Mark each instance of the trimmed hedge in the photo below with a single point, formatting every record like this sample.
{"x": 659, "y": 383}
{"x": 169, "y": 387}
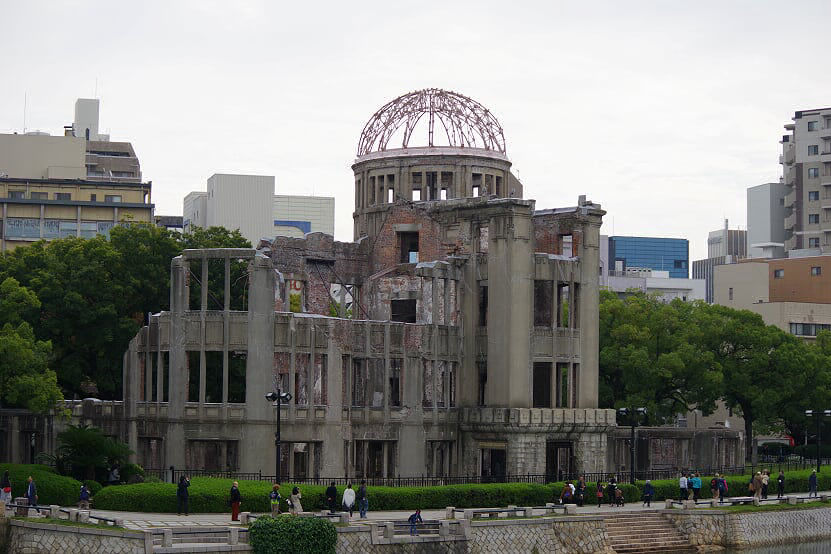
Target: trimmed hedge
{"x": 51, "y": 487}
{"x": 208, "y": 495}
{"x": 289, "y": 534}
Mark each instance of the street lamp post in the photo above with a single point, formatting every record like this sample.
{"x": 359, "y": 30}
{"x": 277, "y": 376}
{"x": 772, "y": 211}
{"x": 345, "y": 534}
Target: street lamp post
{"x": 633, "y": 413}
{"x": 278, "y": 398}
{"x": 817, "y": 415}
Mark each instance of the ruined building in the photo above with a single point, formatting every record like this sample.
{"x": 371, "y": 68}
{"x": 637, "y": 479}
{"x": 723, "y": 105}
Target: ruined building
{"x": 455, "y": 336}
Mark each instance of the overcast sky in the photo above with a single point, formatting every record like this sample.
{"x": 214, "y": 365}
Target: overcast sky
{"x": 663, "y": 112}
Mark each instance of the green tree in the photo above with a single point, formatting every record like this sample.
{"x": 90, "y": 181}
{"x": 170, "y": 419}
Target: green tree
{"x": 86, "y": 449}
{"x": 25, "y": 378}
{"x": 650, "y": 356}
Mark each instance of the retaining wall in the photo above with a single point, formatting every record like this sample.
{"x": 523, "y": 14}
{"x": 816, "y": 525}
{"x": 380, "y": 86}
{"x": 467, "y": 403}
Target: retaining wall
{"x": 769, "y": 528}
{"x": 27, "y": 537}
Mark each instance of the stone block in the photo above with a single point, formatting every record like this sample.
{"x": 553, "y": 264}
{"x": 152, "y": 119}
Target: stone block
{"x": 244, "y": 517}
{"x": 571, "y": 509}
{"x": 343, "y": 517}
{"x": 450, "y": 512}
{"x": 714, "y": 503}
{"x": 54, "y": 511}
{"x": 167, "y": 538}
{"x": 233, "y": 535}
{"x": 389, "y": 530}
{"x": 2, "y": 510}
{"x": 688, "y": 504}
{"x": 73, "y": 514}
{"x": 468, "y": 514}
{"x": 670, "y": 504}
{"x": 791, "y": 500}
{"x": 444, "y": 528}
{"x": 119, "y": 522}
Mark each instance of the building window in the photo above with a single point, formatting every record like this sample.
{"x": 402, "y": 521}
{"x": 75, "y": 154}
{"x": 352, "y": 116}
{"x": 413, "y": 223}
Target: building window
{"x": 812, "y": 125}
{"x": 482, "y": 370}
{"x": 18, "y": 194}
{"x": 403, "y": 310}
{"x": 416, "y": 195}
{"x": 813, "y": 149}
{"x": 778, "y": 273}
{"x": 408, "y": 243}
{"x": 813, "y": 218}
{"x": 63, "y": 196}
{"x": 116, "y": 198}
{"x": 813, "y": 172}
{"x": 92, "y": 198}
{"x": 40, "y": 196}
{"x": 813, "y": 242}
{"x": 730, "y": 293}
{"x": 813, "y": 195}
{"x": 816, "y": 270}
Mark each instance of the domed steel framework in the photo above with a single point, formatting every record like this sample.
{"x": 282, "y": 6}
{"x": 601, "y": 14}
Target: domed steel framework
{"x": 466, "y": 122}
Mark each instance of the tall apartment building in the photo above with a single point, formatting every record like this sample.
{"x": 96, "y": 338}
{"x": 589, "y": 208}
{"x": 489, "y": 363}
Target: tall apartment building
{"x": 78, "y": 184}
{"x": 806, "y": 172}
{"x": 248, "y": 203}
{"x": 724, "y": 246}
{"x": 766, "y": 220}
{"x": 656, "y": 253}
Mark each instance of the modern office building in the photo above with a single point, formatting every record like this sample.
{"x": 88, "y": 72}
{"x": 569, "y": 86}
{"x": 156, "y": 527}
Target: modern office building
{"x": 656, "y": 253}
{"x": 646, "y": 280}
{"x": 806, "y": 172}
{"x": 766, "y": 220}
{"x": 792, "y": 293}
{"x": 248, "y": 203}
{"x": 62, "y": 186}
{"x": 724, "y": 246}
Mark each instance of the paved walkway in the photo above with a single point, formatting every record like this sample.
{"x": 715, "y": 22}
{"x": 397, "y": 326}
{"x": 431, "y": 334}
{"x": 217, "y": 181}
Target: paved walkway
{"x": 141, "y": 520}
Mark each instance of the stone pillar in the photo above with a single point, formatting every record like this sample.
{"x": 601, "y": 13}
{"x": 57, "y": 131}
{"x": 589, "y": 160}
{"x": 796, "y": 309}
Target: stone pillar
{"x": 589, "y": 297}
{"x": 510, "y": 305}
{"x": 175, "y": 444}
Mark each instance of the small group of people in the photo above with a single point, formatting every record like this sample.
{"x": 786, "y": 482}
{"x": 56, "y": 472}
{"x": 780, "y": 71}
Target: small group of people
{"x": 689, "y": 484}
{"x": 609, "y": 491}
{"x": 574, "y": 493}
{"x": 350, "y": 499}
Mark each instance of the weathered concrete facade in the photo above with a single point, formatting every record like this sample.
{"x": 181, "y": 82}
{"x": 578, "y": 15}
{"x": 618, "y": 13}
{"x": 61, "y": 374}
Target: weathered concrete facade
{"x": 453, "y": 337}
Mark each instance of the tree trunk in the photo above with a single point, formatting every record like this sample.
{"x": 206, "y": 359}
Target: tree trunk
{"x": 749, "y": 442}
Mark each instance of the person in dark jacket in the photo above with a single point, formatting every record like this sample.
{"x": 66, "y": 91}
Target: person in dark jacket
{"x": 236, "y": 500}
{"x": 580, "y": 494}
{"x": 32, "y": 493}
{"x": 414, "y": 520}
{"x": 182, "y": 495}
{"x": 648, "y": 493}
{"x": 812, "y": 484}
{"x": 331, "y": 497}
{"x": 83, "y": 497}
{"x": 780, "y": 484}
{"x": 363, "y": 500}
{"x": 610, "y": 490}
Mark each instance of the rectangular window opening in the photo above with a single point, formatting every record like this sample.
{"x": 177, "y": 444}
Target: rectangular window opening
{"x": 213, "y": 377}
{"x": 499, "y": 186}
{"x": 390, "y": 196}
{"x": 543, "y": 303}
{"x": 482, "y": 370}
{"x": 416, "y": 195}
{"x": 443, "y": 194}
{"x": 483, "y": 306}
{"x": 408, "y": 246}
{"x": 542, "y": 385}
{"x": 403, "y": 311}
{"x": 816, "y": 270}
{"x": 778, "y": 273}
{"x": 236, "y": 377}
{"x": 395, "y": 381}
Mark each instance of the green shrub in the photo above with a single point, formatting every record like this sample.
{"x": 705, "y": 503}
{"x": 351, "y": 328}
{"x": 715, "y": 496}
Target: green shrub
{"x": 93, "y": 486}
{"x": 131, "y": 473}
{"x": 51, "y": 487}
{"x": 289, "y": 534}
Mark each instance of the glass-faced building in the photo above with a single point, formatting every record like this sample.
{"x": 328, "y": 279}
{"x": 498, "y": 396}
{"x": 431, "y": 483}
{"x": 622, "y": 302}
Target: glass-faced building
{"x": 656, "y": 253}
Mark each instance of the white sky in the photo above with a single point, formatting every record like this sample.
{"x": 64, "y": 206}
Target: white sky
{"x": 664, "y": 112}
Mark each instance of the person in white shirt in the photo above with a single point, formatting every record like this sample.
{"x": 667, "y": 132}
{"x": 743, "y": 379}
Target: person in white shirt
{"x": 349, "y": 500}
{"x": 682, "y": 484}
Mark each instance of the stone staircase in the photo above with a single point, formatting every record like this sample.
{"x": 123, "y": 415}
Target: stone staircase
{"x": 640, "y": 532}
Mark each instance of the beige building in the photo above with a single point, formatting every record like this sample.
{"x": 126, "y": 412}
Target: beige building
{"x": 806, "y": 174}
{"x": 792, "y": 293}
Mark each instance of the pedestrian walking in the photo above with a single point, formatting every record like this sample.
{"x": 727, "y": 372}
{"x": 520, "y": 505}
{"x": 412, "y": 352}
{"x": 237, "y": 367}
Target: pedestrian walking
{"x": 182, "y": 500}
{"x": 619, "y": 497}
{"x": 363, "y": 500}
{"x": 349, "y": 499}
{"x": 648, "y": 493}
{"x": 765, "y": 482}
{"x": 331, "y": 497}
{"x": 83, "y": 498}
{"x": 114, "y": 476}
{"x": 610, "y": 490}
{"x": 580, "y": 493}
{"x": 812, "y": 484}
{"x": 714, "y": 486}
{"x": 295, "y": 507}
{"x": 682, "y": 487}
{"x": 414, "y": 520}
{"x": 696, "y": 486}
{"x": 236, "y": 500}
{"x": 722, "y": 489}
{"x": 6, "y": 488}
{"x": 599, "y": 493}
{"x": 780, "y": 484}
{"x": 757, "y": 485}
{"x": 32, "y": 493}
{"x": 274, "y": 499}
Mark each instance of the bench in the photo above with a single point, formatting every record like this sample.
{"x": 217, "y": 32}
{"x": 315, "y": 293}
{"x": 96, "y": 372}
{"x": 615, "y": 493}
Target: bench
{"x": 402, "y": 527}
{"x": 337, "y": 517}
{"x": 476, "y": 513}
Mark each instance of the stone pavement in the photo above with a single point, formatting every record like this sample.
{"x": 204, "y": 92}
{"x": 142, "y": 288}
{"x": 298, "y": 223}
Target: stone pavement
{"x": 144, "y": 520}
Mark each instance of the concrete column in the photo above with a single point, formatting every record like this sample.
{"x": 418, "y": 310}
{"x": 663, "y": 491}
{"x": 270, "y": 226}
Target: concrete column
{"x": 202, "y": 308}
{"x": 259, "y": 365}
{"x": 226, "y": 329}
{"x": 387, "y": 372}
{"x": 160, "y": 369}
{"x": 589, "y": 297}
{"x": 385, "y": 454}
{"x": 510, "y": 302}
{"x": 148, "y": 366}
{"x": 42, "y": 210}
{"x": 310, "y": 471}
{"x": 175, "y": 444}
{"x": 310, "y": 375}
{"x": 3, "y": 234}
{"x": 78, "y": 221}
